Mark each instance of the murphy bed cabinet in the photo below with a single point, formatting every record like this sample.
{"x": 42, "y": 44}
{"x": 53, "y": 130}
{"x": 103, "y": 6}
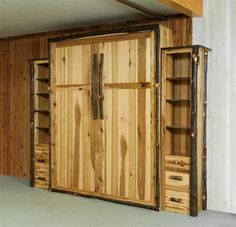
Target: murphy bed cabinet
{"x": 39, "y": 161}
{"x": 183, "y": 123}
{"x": 104, "y": 111}
{"x": 126, "y": 121}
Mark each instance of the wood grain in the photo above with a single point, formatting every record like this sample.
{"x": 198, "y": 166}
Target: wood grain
{"x": 14, "y": 77}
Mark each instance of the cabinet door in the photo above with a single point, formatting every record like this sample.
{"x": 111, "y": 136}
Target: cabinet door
{"x": 130, "y": 119}
{"x": 78, "y": 139}
{"x": 113, "y": 157}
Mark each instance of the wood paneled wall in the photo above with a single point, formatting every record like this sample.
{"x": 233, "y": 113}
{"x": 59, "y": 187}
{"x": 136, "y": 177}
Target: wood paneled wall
{"x": 15, "y": 87}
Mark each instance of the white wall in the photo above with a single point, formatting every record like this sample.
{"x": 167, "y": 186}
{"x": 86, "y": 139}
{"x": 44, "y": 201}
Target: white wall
{"x": 217, "y": 30}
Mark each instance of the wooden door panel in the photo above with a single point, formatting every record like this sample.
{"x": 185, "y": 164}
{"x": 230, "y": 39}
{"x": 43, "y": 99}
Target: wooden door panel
{"x": 130, "y": 157}
{"x": 114, "y": 157}
{"x": 123, "y": 59}
{"x": 80, "y": 154}
{"x": 73, "y": 65}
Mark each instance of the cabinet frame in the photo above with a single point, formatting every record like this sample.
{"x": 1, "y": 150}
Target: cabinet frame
{"x": 132, "y": 29}
{"x": 197, "y": 156}
{"x": 33, "y": 111}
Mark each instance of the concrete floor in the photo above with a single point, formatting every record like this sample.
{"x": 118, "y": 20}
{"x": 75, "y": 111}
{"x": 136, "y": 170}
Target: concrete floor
{"x": 22, "y": 206}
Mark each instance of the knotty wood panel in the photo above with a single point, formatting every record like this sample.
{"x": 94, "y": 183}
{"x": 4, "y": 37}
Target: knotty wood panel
{"x": 121, "y": 145}
{"x": 15, "y": 83}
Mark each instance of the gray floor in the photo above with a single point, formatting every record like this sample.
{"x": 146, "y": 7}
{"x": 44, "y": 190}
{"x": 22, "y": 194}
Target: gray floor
{"x": 22, "y": 206}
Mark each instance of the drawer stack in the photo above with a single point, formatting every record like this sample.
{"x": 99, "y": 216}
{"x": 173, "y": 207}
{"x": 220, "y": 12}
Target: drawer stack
{"x": 41, "y": 166}
{"x": 176, "y": 184}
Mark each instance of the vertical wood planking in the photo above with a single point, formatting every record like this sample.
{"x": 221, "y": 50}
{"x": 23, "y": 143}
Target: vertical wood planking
{"x": 141, "y": 120}
{"x": 16, "y": 147}
{"x": 114, "y": 120}
{"x": 123, "y": 116}
{"x": 133, "y": 73}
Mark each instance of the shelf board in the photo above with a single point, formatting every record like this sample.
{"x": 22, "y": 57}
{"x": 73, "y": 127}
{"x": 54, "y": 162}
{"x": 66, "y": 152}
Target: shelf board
{"x": 44, "y": 94}
{"x": 178, "y": 100}
{"x": 45, "y": 80}
{"x": 42, "y": 111}
{"x": 182, "y": 127}
{"x": 186, "y": 78}
{"x": 46, "y": 65}
{"x": 45, "y": 129}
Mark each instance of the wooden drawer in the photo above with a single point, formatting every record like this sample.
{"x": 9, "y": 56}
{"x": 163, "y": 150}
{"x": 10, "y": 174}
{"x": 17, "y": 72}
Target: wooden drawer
{"x": 41, "y": 180}
{"x": 177, "y": 179}
{"x": 41, "y": 149}
{"x": 177, "y": 162}
{"x": 177, "y": 201}
{"x": 42, "y": 158}
{"x": 41, "y": 168}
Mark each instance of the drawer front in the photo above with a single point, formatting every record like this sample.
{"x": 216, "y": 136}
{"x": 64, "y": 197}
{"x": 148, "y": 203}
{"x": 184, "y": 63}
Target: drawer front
{"x": 177, "y": 179}
{"x": 39, "y": 150}
{"x": 41, "y": 179}
{"x": 41, "y": 168}
{"x": 41, "y": 158}
{"x": 177, "y": 200}
{"x": 177, "y": 162}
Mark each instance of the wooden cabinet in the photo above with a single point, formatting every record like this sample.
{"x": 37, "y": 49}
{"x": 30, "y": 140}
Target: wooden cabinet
{"x": 104, "y": 95}
{"x": 39, "y": 163}
{"x": 183, "y": 113}
{"x": 126, "y": 121}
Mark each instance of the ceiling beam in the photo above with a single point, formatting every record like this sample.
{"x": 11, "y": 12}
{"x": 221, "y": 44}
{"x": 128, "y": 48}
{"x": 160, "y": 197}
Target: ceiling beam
{"x": 139, "y": 8}
{"x": 192, "y": 8}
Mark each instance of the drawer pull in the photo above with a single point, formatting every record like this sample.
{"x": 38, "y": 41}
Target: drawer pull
{"x": 181, "y": 163}
{"x": 176, "y": 200}
{"x": 178, "y": 178}
{"x": 41, "y": 178}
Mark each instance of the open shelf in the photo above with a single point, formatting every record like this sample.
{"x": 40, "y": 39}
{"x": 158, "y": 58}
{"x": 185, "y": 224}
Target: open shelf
{"x": 43, "y": 94}
{"x": 43, "y": 128}
{"x": 178, "y": 100}
{"x": 186, "y": 78}
{"x": 44, "y": 80}
{"x": 176, "y": 107}
{"x": 181, "y": 127}
{"x": 46, "y": 112}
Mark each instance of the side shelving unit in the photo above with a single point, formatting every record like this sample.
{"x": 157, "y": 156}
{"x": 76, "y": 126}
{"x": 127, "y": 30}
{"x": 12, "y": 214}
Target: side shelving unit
{"x": 182, "y": 134}
{"x": 40, "y": 113}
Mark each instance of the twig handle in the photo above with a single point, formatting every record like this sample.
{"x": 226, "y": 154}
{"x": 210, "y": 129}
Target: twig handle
{"x": 100, "y": 90}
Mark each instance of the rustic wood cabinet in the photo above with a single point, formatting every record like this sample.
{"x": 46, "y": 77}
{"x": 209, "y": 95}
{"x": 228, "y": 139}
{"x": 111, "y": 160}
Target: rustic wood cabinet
{"x": 183, "y": 135}
{"x": 127, "y": 119}
{"x": 104, "y": 103}
{"x": 39, "y": 161}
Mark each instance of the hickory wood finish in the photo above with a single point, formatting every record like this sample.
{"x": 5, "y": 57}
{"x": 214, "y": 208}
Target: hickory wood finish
{"x": 175, "y": 120}
{"x": 182, "y": 150}
{"x": 115, "y": 157}
{"x": 39, "y": 173}
{"x": 15, "y": 86}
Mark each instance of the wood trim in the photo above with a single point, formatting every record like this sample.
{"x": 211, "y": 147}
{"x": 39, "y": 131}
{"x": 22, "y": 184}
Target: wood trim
{"x": 104, "y": 38}
{"x": 107, "y": 86}
{"x": 32, "y": 179}
{"x": 191, "y": 8}
{"x": 193, "y": 154}
{"x": 128, "y": 30}
{"x": 204, "y": 138}
{"x": 158, "y": 101}
{"x": 50, "y": 120}
{"x": 104, "y": 198}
